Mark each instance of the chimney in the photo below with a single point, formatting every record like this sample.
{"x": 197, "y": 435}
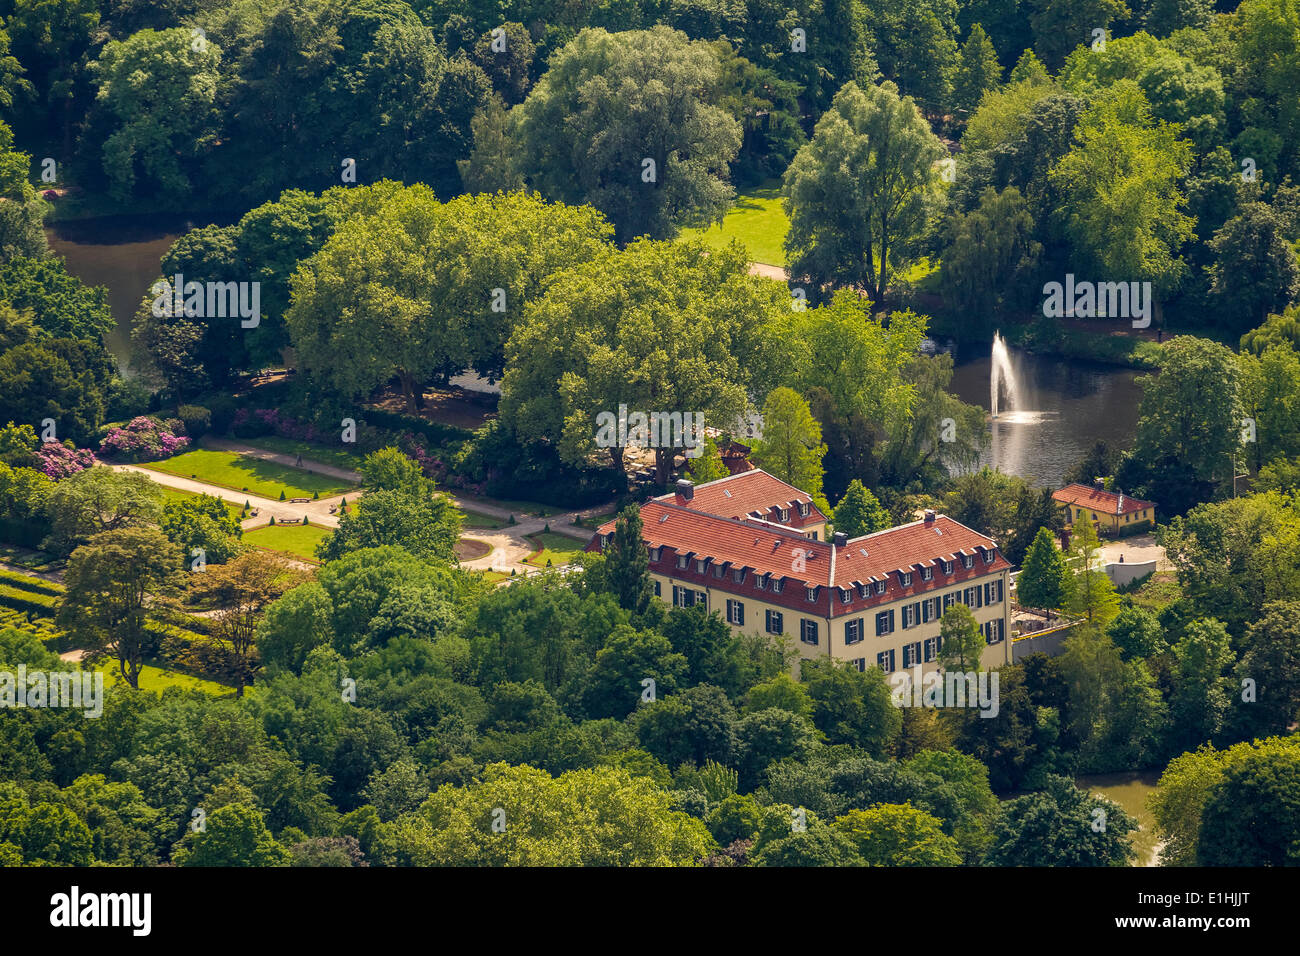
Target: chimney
{"x": 1099, "y": 484}
{"x": 840, "y": 539}
{"x": 685, "y": 488}
{"x": 929, "y": 516}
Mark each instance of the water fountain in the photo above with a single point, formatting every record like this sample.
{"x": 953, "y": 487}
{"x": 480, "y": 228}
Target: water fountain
{"x": 1002, "y": 376}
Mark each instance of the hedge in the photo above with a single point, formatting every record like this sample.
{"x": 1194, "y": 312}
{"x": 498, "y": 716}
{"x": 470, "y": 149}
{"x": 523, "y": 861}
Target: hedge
{"x": 27, "y": 600}
{"x": 27, "y": 582}
{"x": 436, "y": 432}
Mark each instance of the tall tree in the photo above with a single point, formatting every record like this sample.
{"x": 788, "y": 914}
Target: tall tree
{"x": 861, "y": 194}
{"x": 978, "y": 71}
{"x": 628, "y": 562}
{"x": 859, "y": 512}
{"x": 791, "y": 447}
{"x": 963, "y": 644}
{"x": 1044, "y": 578}
{"x": 111, "y": 580}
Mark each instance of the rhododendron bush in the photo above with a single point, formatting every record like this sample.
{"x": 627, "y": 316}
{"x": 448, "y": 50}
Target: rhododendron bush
{"x": 145, "y": 439}
{"x": 59, "y": 461}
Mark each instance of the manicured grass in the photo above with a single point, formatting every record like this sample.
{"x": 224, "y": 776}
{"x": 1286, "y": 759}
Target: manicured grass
{"x": 520, "y": 508}
{"x": 339, "y": 457}
{"x": 496, "y": 576}
{"x": 239, "y": 472}
{"x": 757, "y": 220}
{"x": 173, "y": 495}
{"x": 299, "y": 540}
{"x": 596, "y": 520}
{"x": 557, "y": 548}
{"x": 476, "y": 519}
{"x": 157, "y": 679}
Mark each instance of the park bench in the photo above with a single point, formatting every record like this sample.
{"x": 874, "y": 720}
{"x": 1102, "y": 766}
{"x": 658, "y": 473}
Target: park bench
{"x": 298, "y": 501}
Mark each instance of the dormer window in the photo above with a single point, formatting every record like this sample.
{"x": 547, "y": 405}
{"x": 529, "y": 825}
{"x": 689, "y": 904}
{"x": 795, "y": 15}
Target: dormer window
{"x": 738, "y": 575}
{"x": 785, "y": 514}
{"x": 656, "y": 554}
{"x": 946, "y": 565}
{"x": 760, "y": 581}
{"x": 681, "y": 560}
{"x": 846, "y": 595}
{"x": 967, "y": 561}
{"x": 811, "y": 593}
{"x": 881, "y": 586}
{"x": 778, "y": 585}
{"x": 803, "y": 508}
{"x": 905, "y": 579}
{"x": 719, "y": 571}
{"x": 989, "y": 555}
{"x": 864, "y": 591}
{"x": 699, "y": 565}
{"x": 927, "y": 574}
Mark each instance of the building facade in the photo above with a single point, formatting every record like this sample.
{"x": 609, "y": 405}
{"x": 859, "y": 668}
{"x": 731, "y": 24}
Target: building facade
{"x": 1110, "y": 512}
{"x": 753, "y": 549}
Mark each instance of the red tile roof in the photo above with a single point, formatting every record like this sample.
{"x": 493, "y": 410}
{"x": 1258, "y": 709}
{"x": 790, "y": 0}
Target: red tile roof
{"x": 742, "y": 494}
{"x": 1098, "y": 499}
{"x": 769, "y": 550}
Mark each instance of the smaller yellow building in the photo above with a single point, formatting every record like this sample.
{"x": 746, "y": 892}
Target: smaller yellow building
{"x": 1111, "y": 512}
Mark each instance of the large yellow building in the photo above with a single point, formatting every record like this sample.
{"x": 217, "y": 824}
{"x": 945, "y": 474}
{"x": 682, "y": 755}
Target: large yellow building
{"x": 1110, "y": 512}
{"x": 753, "y": 548}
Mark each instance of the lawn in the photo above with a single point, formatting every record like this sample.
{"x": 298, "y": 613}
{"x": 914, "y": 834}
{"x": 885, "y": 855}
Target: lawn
{"x": 299, "y": 540}
{"x": 174, "y": 495}
{"x": 495, "y": 576}
{"x": 557, "y": 548}
{"x": 157, "y": 679}
{"x": 757, "y": 220}
{"x": 518, "y": 507}
{"x": 477, "y": 519}
{"x": 252, "y": 475}
{"x": 339, "y": 457}
{"x": 596, "y": 520}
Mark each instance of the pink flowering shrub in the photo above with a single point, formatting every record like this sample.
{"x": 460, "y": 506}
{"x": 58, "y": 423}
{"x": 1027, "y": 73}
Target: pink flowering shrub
{"x": 145, "y": 439}
{"x": 59, "y": 461}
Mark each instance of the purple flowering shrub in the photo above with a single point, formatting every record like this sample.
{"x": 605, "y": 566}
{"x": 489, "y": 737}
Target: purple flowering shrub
{"x": 59, "y": 461}
{"x": 145, "y": 439}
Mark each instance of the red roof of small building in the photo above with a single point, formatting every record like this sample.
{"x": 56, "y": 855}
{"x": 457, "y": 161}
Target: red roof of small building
{"x": 749, "y": 494}
{"x": 774, "y": 552}
{"x": 1099, "y": 499}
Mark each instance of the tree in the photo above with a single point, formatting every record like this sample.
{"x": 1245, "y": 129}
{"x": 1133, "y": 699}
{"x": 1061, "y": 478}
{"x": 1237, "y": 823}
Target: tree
{"x": 1136, "y": 632}
{"x": 992, "y": 255}
{"x": 852, "y": 706}
{"x": 1115, "y": 715}
{"x": 1044, "y": 579}
{"x": 628, "y": 562}
{"x": 1061, "y": 25}
{"x": 1272, "y": 660}
{"x": 61, "y": 379}
{"x": 791, "y": 447}
{"x": 615, "y": 684}
{"x": 110, "y": 582}
{"x": 1254, "y": 272}
{"x": 507, "y": 58}
{"x": 978, "y": 71}
{"x": 61, "y": 305}
{"x": 1122, "y": 206}
{"x": 859, "y": 512}
{"x": 202, "y": 522}
{"x": 53, "y": 42}
{"x": 391, "y": 469}
{"x": 891, "y": 834}
{"x": 634, "y": 826}
{"x": 235, "y": 835}
{"x": 1200, "y": 700}
{"x": 661, "y": 328}
{"x": 709, "y": 465}
{"x": 157, "y": 103}
{"x": 424, "y": 522}
{"x": 962, "y": 645}
{"x": 625, "y": 122}
{"x": 860, "y": 194}
{"x": 1092, "y": 594}
{"x": 1061, "y": 826}
{"x": 101, "y": 499}
{"x": 242, "y": 590}
{"x": 1252, "y": 817}
{"x": 815, "y": 846}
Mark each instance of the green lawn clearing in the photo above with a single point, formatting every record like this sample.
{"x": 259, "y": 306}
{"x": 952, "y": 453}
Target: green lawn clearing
{"x": 157, "y": 679}
{"x": 757, "y": 220}
{"x": 339, "y": 457}
{"x": 557, "y": 548}
{"x": 496, "y": 576}
{"x": 252, "y": 475}
{"x": 477, "y": 519}
{"x": 299, "y": 540}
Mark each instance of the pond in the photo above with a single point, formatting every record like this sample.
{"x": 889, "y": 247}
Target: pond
{"x": 1130, "y": 791}
{"x": 122, "y": 254}
{"x": 1062, "y": 407}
